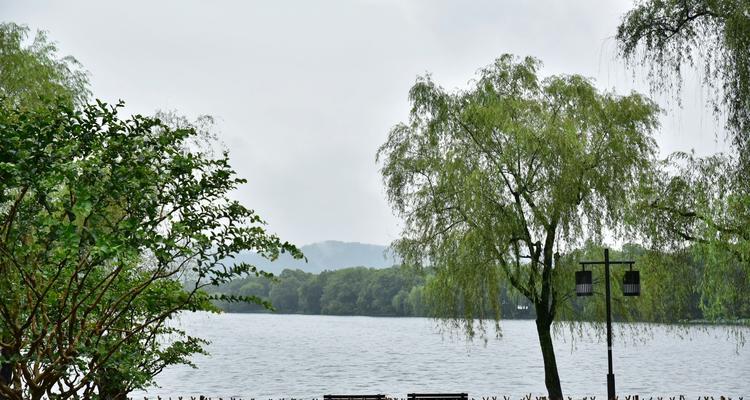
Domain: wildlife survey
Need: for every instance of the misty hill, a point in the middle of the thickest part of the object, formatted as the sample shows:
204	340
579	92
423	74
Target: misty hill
328	255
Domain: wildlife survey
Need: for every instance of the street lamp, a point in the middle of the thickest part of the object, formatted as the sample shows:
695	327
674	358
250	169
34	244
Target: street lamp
631	287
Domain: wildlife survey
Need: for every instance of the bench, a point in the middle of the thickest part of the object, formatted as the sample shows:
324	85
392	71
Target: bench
354	397
438	396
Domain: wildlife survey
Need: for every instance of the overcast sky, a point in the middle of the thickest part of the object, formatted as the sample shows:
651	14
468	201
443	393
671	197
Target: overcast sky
306	91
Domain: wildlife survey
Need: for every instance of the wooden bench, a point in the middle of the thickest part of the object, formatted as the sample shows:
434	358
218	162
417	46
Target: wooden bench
354	397
438	396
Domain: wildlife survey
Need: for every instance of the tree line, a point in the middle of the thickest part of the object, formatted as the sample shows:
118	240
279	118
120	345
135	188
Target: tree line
394	291
671	291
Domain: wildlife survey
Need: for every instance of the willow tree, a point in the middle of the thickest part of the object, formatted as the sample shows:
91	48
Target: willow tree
697	205
711	36
32	72
701	203
496	182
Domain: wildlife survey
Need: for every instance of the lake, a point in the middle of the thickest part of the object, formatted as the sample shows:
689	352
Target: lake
266	356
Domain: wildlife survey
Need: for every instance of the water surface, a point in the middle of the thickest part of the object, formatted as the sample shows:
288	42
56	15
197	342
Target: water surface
266	356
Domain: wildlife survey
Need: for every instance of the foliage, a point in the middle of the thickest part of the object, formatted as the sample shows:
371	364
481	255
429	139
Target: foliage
696	206
145	354
701	204
676	288
100	219
710	35
495	182
32	73
347	291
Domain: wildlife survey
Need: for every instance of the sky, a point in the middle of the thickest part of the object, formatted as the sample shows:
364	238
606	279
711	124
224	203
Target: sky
305	92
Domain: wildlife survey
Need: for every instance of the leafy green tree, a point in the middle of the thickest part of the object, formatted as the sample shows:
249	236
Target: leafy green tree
379	291
256	287
712	36
145	354
342	290
416	303
699	206
704	204
400	303
495	182
100	219
310	293
31	72
285	293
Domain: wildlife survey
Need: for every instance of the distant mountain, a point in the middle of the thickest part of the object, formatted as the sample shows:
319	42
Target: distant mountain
328	255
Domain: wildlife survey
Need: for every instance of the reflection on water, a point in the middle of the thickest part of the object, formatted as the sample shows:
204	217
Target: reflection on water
273	356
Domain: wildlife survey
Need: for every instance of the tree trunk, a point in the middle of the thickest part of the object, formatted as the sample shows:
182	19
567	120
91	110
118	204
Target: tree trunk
112	394
6	371
109	387
551	377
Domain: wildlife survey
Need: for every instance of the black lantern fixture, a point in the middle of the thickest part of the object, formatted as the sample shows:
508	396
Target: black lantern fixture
584	286
631	283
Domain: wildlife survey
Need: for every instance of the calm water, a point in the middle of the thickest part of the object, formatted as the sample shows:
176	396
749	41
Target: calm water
272	356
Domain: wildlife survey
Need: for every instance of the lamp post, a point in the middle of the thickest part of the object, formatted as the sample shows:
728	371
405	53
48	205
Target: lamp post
631	287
